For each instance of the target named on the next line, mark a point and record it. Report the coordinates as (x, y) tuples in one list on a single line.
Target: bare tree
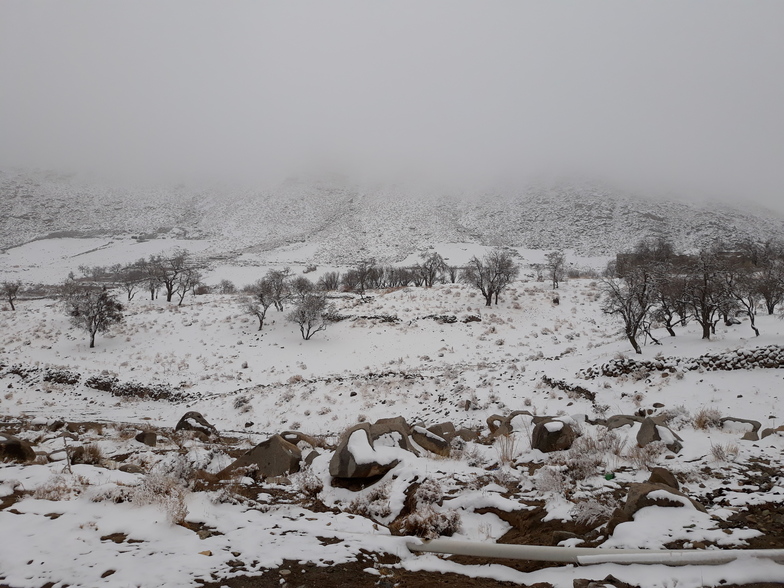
[(329, 282), (261, 297), (555, 264), (431, 267), (705, 292), (130, 277), (226, 287), (309, 314), (491, 274), (631, 297), (187, 281), (361, 277), (279, 283), (10, 291), (770, 283), (453, 273), (91, 308), (301, 287), (743, 287)]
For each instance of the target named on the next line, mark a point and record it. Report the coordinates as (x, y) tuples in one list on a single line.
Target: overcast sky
[(682, 95)]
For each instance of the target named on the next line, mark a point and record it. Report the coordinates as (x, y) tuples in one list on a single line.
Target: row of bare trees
[(656, 285), (491, 275), (174, 275)]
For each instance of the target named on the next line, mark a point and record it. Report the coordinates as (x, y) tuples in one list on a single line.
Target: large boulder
[(148, 438), (295, 437), (650, 494), (356, 457), (663, 476), (194, 421), (15, 449), (393, 431), (749, 428), (445, 430), (650, 431), (621, 420), (552, 435), (270, 458), (428, 440)]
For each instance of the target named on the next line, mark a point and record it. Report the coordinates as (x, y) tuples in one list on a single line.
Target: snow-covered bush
[(589, 512), (429, 492), (373, 503), (707, 418), (429, 523), (166, 492)]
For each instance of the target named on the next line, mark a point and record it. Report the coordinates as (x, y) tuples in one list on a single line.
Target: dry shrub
[(676, 417), (593, 510), (308, 483), (707, 418), (728, 452), (373, 504), (429, 523), (507, 447), (61, 487), (91, 454), (165, 492), (429, 492), (550, 480), (647, 457)]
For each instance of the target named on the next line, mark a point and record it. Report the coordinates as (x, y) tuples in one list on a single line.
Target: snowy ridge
[(350, 222)]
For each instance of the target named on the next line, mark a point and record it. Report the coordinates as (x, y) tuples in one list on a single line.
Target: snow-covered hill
[(345, 222)]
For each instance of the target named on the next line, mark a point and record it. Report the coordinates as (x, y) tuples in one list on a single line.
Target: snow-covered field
[(398, 354)]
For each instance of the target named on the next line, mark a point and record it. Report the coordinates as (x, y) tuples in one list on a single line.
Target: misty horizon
[(676, 99)]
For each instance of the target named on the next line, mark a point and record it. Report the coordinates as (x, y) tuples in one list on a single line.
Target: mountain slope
[(349, 222)]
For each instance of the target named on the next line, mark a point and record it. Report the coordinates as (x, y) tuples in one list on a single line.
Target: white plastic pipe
[(591, 555)]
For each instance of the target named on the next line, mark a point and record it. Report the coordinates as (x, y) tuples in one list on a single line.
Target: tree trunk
[(706, 330), (489, 299), (11, 302), (753, 325), (670, 330), (92, 340), (633, 341)]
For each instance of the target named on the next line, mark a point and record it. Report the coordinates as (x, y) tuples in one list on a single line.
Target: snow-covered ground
[(251, 384)]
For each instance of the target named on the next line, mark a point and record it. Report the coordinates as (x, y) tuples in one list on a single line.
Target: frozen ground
[(74, 526)]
